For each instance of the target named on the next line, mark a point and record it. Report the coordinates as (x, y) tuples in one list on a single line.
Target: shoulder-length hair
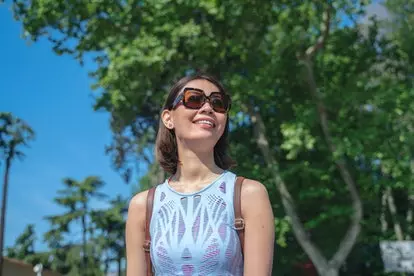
[(166, 152)]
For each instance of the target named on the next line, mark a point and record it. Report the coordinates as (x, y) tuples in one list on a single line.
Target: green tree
[(111, 226), (60, 258), (317, 103), (24, 248), (14, 133), (75, 198), (24, 244)]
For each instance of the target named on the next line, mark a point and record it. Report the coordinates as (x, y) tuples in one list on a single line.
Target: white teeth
[(205, 122)]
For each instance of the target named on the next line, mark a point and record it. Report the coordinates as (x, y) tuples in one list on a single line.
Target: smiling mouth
[(205, 122)]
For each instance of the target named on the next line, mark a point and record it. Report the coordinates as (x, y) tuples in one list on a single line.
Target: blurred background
[(322, 114)]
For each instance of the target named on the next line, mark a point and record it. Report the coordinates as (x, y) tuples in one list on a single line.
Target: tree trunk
[(106, 263), (91, 238), (4, 205), (323, 266), (84, 231), (409, 218), (330, 272), (384, 224), (299, 231), (119, 266), (352, 233), (393, 210)]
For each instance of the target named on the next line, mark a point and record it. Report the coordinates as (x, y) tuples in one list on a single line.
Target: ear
[(167, 119)]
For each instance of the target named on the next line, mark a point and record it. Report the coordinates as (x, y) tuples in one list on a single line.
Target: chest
[(194, 235)]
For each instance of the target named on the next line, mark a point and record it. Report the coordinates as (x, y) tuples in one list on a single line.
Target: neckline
[(195, 192)]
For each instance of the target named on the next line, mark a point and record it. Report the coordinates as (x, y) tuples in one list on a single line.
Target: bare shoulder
[(138, 201), (253, 189), (254, 198), (137, 208)]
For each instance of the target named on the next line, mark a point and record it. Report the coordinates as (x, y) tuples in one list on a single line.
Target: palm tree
[(13, 133), (75, 197)]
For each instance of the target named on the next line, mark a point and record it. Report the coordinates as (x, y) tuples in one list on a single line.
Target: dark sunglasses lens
[(193, 99), (196, 99), (219, 103)]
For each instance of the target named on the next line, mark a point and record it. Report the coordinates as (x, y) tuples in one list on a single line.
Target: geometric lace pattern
[(193, 234)]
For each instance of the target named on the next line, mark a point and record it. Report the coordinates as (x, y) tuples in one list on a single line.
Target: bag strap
[(238, 219), (147, 242)]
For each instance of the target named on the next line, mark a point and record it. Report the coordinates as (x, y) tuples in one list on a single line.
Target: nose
[(206, 107)]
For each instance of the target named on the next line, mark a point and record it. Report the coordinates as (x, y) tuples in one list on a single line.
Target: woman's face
[(200, 128)]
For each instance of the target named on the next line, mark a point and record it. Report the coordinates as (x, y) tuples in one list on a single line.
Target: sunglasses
[(194, 98)]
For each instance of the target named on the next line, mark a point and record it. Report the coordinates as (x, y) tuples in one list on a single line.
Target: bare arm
[(135, 235), (259, 229)]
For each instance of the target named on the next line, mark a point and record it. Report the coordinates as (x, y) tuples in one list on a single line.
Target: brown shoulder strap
[(147, 242), (238, 219)]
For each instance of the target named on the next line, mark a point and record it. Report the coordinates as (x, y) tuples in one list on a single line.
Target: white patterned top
[(193, 233)]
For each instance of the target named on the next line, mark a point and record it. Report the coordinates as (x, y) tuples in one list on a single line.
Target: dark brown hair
[(166, 144)]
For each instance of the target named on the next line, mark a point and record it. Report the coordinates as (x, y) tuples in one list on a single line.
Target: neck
[(195, 168)]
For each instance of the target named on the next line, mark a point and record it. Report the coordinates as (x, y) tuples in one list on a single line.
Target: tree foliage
[(76, 198), (111, 225), (322, 114), (24, 244)]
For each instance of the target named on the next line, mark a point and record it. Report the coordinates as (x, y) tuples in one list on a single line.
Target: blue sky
[(52, 93)]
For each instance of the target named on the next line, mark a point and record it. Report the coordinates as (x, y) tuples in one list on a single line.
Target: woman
[(192, 226)]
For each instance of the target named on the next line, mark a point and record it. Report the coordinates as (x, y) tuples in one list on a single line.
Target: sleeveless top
[(193, 233)]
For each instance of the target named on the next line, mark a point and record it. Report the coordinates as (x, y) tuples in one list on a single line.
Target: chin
[(202, 142), (205, 139)]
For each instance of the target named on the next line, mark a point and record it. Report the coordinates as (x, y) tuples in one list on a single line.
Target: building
[(13, 267)]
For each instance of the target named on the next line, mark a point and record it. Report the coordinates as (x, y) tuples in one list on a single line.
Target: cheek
[(182, 118), (222, 121)]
